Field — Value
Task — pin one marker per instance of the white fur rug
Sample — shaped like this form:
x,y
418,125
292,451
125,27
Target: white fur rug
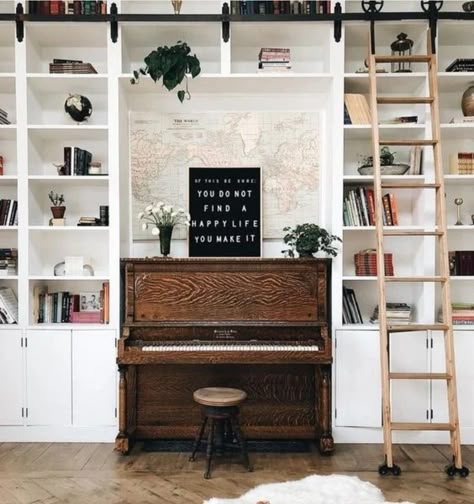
x,y
332,489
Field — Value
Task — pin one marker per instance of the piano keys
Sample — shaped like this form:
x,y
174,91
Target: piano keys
x,y
261,325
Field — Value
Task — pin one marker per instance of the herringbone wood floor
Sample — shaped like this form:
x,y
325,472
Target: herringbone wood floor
x,y
63,473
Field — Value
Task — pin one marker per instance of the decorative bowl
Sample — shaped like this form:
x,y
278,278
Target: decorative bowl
x,y
395,169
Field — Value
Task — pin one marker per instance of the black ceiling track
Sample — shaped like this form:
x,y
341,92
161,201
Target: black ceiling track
x,y
371,11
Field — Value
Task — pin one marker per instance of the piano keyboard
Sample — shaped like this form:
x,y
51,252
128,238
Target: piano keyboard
x,y
229,348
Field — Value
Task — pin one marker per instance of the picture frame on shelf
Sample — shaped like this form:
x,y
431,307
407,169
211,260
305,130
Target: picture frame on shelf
x,y
89,301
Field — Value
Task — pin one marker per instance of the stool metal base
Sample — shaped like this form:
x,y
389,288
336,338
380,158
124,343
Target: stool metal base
x,y
223,429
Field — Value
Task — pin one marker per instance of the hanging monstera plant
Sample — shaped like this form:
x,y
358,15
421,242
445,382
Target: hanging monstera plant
x,y
173,65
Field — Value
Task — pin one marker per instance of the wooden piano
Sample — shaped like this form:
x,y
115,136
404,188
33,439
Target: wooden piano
x,y
261,325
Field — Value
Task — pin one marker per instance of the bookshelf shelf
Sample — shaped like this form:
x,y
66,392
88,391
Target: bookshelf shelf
x,y
79,229
368,179
454,82
69,179
465,227
8,180
386,83
47,278
8,277
388,228
57,128
460,131
395,131
458,179
355,278
462,278
8,228
70,326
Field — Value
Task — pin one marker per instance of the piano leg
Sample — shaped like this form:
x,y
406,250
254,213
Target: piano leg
x,y
122,441
326,441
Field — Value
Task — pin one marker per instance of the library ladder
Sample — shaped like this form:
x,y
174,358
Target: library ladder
x,y
389,330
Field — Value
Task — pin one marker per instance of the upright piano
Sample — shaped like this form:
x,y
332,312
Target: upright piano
x,y
261,325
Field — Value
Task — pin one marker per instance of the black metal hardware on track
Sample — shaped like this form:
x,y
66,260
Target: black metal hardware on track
x,y
372,11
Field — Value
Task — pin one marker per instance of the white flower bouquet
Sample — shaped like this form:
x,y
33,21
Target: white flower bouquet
x,y
159,215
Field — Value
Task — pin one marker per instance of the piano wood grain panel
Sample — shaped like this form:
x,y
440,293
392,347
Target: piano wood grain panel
x,y
239,296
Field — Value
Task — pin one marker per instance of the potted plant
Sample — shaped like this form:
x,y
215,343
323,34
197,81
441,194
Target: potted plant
x,y
387,164
58,208
171,64
308,239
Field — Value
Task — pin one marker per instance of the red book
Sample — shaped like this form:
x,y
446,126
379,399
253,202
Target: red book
x,y
393,208
1,165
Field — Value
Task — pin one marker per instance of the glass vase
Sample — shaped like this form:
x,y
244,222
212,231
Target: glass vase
x,y
165,239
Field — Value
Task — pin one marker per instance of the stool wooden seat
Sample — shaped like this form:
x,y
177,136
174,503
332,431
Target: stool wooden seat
x,y
221,409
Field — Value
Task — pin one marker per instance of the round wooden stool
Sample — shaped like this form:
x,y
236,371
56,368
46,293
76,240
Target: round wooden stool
x,y
220,406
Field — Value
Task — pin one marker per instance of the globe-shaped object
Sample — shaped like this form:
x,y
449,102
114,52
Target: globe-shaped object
x,y
78,107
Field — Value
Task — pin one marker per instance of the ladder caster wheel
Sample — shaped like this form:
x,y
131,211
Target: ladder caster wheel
x,y
396,471
451,470
383,470
464,472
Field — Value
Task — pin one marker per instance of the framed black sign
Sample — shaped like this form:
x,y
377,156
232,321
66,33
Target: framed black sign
x,y
226,212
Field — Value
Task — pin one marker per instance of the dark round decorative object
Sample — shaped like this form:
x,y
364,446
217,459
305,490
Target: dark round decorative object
x,y
468,6
467,102
78,107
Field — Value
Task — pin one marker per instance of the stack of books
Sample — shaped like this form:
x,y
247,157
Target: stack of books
x,y
397,313
461,262
249,8
461,163
4,117
8,261
274,59
77,7
461,65
89,221
71,67
350,307
76,161
359,208
8,212
356,109
366,263
401,120
463,313
8,306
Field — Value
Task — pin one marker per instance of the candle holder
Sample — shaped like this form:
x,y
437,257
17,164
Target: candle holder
x,y
458,202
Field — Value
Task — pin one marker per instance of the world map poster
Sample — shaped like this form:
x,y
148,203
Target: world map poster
x,y
286,145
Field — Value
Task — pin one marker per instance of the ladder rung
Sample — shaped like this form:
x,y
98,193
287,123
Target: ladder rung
x,y
413,58
409,185
411,232
420,376
409,100
422,426
416,327
416,279
408,142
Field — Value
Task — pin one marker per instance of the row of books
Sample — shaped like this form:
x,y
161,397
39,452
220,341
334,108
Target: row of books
x,y
356,109
396,313
8,306
71,67
64,307
76,161
274,59
8,261
78,7
350,307
461,262
248,8
366,263
359,208
461,163
8,212
4,117
462,313
461,65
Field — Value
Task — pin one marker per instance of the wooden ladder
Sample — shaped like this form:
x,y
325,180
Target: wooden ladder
x,y
441,278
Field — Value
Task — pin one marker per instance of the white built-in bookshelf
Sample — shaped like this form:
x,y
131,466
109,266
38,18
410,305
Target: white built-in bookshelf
x,y
66,375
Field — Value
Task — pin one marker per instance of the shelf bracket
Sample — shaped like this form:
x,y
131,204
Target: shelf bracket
x,y
337,22
19,20
225,22
432,8
113,22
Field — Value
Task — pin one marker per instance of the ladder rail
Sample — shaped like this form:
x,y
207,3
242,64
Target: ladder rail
x,y
444,261
386,406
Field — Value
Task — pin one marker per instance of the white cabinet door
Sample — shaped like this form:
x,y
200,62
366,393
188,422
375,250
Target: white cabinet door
x,y
48,377
410,398
464,350
11,377
93,378
358,389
